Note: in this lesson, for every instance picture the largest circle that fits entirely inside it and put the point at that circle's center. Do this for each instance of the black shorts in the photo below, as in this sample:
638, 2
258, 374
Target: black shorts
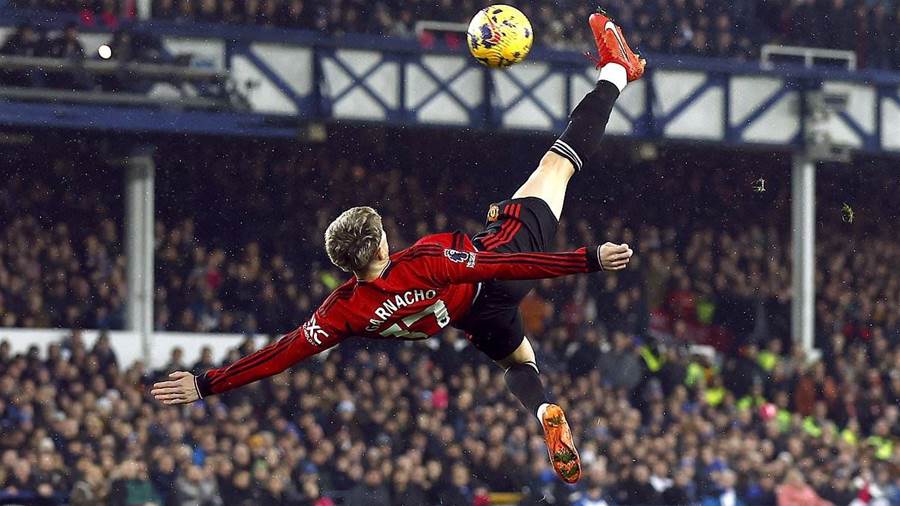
524, 225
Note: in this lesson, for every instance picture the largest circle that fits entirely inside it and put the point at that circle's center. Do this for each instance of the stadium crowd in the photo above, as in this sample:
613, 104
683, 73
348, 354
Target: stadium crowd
30, 40
708, 272
692, 27
377, 423
388, 423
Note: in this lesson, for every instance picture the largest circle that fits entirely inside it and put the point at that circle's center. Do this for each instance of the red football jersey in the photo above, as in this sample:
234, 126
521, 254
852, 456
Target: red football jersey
424, 288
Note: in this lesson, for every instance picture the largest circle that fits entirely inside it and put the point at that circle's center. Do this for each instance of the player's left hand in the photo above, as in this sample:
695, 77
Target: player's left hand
614, 257
181, 389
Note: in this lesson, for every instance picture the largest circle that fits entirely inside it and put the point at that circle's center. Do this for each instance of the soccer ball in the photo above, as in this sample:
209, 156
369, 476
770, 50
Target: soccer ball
500, 36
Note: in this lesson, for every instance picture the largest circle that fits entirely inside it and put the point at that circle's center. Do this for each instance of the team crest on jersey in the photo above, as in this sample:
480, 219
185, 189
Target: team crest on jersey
493, 213
461, 257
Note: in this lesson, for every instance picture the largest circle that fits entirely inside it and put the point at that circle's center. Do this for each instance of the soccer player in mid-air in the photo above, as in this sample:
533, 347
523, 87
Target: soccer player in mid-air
474, 284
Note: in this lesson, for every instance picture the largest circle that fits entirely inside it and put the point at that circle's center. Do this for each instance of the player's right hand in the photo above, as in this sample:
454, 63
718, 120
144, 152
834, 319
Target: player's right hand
181, 389
614, 257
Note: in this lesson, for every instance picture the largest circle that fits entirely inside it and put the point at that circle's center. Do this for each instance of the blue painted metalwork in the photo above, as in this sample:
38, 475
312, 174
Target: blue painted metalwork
305, 105
527, 92
143, 120
442, 86
884, 93
320, 102
736, 131
359, 81
869, 141
665, 118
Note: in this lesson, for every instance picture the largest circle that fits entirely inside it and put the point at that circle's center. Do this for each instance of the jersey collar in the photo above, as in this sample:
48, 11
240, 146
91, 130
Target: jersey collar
383, 274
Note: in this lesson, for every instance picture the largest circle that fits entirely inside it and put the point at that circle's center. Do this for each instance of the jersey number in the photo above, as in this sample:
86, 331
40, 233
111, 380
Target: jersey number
438, 309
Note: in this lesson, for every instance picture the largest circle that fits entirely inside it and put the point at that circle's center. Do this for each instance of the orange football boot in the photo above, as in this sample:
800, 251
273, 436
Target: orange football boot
612, 46
560, 446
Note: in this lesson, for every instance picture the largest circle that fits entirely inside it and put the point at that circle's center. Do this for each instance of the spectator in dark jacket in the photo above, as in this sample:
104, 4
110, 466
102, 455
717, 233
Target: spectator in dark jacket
458, 491
726, 494
67, 44
405, 492
26, 41
370, 492
637, 490
680, 493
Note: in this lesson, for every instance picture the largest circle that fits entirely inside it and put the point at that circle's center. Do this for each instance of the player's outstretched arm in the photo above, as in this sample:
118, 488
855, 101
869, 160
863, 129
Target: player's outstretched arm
447, 266
614, 257
304, 342
180, 389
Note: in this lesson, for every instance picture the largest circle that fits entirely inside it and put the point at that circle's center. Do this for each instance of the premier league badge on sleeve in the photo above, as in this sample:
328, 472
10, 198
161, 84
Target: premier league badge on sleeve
461, 257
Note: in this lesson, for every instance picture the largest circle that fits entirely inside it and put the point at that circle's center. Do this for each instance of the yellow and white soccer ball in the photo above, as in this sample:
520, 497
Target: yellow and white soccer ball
500, 36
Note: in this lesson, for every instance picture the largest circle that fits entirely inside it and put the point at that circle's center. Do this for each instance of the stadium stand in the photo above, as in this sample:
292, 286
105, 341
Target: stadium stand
689, 27
132, 69
679, 375
431, 423
408, 424
698, 275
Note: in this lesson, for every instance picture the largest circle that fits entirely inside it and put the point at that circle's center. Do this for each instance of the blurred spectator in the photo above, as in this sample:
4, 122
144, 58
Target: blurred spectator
26, 41
795, 491
370, 491
636, 488
131, 487
457, 489
205, 362
92, 489
121, 46
725, 494
67, 44
197, 488
176, 362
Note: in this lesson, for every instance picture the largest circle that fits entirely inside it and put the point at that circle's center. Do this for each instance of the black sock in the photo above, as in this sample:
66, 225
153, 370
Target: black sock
587, 123
524, 381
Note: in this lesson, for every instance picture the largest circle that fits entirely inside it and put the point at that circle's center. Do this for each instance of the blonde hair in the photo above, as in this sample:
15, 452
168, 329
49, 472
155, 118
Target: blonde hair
352, 239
